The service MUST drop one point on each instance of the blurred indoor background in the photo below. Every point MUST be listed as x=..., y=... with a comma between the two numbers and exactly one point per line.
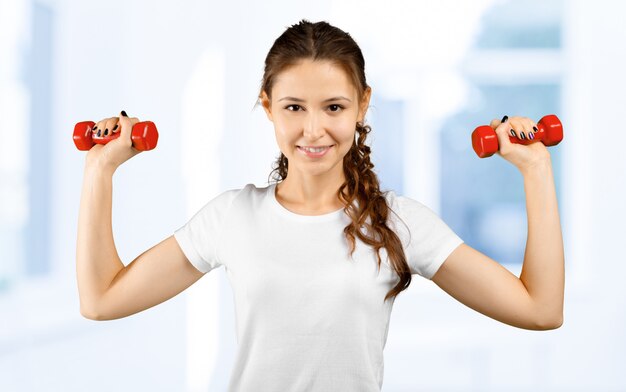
x=437, y=69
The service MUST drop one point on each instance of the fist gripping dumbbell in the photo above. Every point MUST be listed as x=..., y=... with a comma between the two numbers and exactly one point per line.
x=144, y=136
x=485, y=140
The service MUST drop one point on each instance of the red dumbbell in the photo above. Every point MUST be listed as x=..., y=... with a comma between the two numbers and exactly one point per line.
x=485, y=140
x=144, y=136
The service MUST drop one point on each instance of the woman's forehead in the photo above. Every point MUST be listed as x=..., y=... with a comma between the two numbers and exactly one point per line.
x=313, y=80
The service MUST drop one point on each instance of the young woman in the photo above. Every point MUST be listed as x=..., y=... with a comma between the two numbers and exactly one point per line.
x=317, y=258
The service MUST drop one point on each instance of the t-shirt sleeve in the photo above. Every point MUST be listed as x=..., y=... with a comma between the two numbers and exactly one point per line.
x=200, y=236
x=430, y=240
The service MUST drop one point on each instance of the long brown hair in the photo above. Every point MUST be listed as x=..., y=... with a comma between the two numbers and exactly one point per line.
x=322, y=41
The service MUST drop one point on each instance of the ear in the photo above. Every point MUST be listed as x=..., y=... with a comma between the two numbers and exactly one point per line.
x=267, y=105
x=365, y=103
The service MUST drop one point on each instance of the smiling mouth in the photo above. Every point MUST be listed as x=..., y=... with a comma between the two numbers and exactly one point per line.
x=314, y=152
x=314, y=149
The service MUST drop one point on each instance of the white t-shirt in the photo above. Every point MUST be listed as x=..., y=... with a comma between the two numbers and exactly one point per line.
x=308, y=317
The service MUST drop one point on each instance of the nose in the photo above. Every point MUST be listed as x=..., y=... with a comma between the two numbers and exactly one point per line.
x=313, y=128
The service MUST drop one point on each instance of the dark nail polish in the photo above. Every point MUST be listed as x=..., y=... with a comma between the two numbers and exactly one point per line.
x=505, y=118
x=99, y=132
x=115, y=127
x=523, y=136
x=531, y=136
x=535, y=128
x=106, y=132
x=513, y=133
x=124, y=113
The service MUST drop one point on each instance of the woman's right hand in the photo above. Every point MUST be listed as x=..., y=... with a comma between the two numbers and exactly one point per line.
x=117, y=151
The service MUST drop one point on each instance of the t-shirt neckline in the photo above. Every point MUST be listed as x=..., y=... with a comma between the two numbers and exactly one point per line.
x=283, y=211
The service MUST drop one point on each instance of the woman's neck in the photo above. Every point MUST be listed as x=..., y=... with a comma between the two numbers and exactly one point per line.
x=311, y=196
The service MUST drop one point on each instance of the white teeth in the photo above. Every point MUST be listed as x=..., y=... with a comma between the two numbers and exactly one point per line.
x=309, y=149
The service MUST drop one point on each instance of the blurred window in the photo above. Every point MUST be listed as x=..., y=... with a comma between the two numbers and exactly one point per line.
x=25, y=150
x=483, y=200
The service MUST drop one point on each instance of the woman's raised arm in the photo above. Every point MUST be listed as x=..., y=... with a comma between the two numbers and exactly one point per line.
x=106, y=287
x=535, y=299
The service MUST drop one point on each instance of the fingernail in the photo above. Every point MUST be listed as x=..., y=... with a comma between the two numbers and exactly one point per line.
x=124, y=113
x=523, y=136
x=531, y=136
x=513, y=133
x=535, y=128
x=106, y=131
x=115, y=127
x=505, y=118
x=99, y=132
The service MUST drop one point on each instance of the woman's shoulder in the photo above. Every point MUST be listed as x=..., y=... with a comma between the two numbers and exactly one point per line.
x=407, y=209
x=222, y=202
x=249, y=190
x=401, y=202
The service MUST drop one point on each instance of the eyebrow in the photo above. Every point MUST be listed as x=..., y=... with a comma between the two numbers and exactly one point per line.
x=338, y=98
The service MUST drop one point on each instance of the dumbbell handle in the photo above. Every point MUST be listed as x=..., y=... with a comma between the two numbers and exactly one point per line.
x=144, y=136
x=549, y=132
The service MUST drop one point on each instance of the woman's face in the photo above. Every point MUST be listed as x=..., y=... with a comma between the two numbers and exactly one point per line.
x=315, y=104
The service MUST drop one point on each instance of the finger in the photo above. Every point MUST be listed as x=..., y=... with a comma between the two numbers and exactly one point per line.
x=495, y=122
x=110, y=125
x=126, y=124
x=527, y=128
x=503, y=133
x=123, y=119
x=517, y=128
x=98, y=129
x=126, y=128
x=531, y=128
x=94, y=129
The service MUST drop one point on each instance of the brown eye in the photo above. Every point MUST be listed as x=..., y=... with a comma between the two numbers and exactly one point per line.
x=296, y=108
x=337, y=107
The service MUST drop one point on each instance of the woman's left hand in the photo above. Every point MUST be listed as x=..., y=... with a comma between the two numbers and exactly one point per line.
x=522, y=156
